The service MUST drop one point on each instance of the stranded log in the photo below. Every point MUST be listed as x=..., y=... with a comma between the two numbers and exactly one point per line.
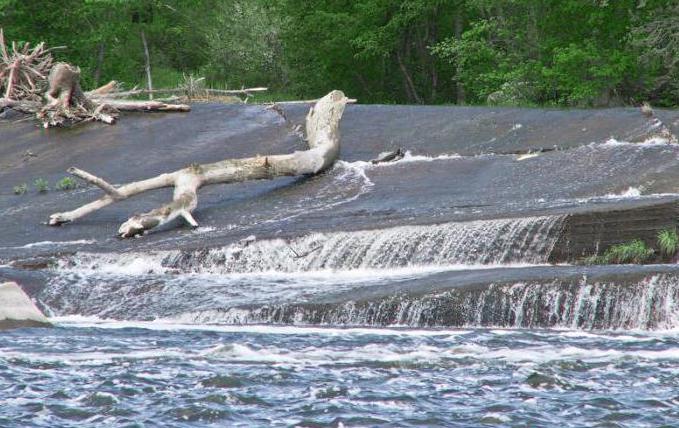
x=322, y=130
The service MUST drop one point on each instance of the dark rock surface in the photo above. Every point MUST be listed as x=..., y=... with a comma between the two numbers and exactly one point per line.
x=576, y=171
x=591, y=233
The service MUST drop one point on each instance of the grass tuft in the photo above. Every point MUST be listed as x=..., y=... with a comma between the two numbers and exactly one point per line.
x=668, y=242
x=630, y=252
x=41, y=185
x=20, y=189
x=66, y=183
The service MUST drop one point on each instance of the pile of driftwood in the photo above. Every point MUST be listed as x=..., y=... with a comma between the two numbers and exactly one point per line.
x=32, y=82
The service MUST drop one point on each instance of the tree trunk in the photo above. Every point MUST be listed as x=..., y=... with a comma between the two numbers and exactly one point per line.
x=147, y=60
x=410, y=86
x=322, y=129
x=432, y=60
x=100, y=64
x=408, y=80
x=459, y=88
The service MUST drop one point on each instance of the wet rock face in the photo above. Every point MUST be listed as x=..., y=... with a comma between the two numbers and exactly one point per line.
x=591, y=233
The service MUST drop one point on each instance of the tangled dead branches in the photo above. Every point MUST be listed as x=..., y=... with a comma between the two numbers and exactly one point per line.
x=23, y=71
x=31, y=82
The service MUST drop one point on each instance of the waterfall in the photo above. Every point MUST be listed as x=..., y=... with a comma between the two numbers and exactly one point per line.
x=285, y=281
x=651, y=303
x=528, y=240
x=524, y=240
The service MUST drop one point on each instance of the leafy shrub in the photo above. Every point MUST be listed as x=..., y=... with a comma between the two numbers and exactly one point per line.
x=630, y=252
x=668, y=241
x=594, y=260
x=66, y=183
x=20, y=189
x=41, y=185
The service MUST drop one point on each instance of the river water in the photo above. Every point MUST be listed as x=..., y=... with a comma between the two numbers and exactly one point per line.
x=88, y=373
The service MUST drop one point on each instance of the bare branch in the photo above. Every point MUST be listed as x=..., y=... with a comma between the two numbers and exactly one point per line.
x=99, y=182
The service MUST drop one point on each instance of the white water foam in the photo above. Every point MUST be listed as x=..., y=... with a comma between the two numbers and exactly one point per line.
x=526, y=240
x=78, y=321
x=408, y=157
x=630, y=193
x=649, y=142
x=94, y=358
x=54, y=244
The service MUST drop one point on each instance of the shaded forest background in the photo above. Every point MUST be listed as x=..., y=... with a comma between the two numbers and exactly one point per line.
x=585, y=53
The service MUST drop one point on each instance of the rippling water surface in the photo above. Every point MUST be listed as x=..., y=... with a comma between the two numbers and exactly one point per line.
x=85, y=373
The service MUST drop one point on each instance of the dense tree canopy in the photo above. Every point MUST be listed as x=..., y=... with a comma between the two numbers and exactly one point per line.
x=514, y=52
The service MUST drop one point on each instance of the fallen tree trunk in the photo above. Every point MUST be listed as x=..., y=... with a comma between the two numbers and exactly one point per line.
x=245, y=91
x=322, y=130
x=157, y=105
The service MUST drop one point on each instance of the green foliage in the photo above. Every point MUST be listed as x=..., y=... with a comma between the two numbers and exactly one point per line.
x=509, y=52
x=634, y=251
x=668, y=242
x=41, y=185
x=66, y=183
x=20, y=189
x=244, y=45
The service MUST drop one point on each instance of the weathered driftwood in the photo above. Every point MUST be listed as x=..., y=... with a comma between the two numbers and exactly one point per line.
x=349, y=101
x=23, y=71
x=322, y=129
x=31, y=82
x=156, y=105
x=244, y=91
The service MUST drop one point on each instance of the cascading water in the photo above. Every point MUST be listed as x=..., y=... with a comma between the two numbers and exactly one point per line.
x=319, y=278
x=650, y=303
x=167, y=284
x=525, y=240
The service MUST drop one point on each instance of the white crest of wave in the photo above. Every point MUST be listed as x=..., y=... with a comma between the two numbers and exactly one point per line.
x=631, y=192
x=422, y=353
x=116, y=263
x=79, y=321
x=56, y=243
x=408, y=157
x=654, y=141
